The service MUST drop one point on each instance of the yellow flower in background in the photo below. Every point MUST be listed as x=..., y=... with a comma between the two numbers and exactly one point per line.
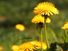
x=46, y=8
x=1, y=48
x=15, y=48
x=37, y=45
x=26, y=47
x=65, y=26
x=38, y=19
x=20, y=27
x=48, y=20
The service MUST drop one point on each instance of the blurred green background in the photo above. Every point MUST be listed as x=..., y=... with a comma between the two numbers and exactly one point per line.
x=14, y=12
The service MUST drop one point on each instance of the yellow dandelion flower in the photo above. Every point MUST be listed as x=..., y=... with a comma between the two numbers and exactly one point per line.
x=37, y=45
x=15, y=48
x=20, y=27
x=46, y=8
x=26, y=47
x=48, y=20
x=1, y=48
x=38, y=19
x=65, y=26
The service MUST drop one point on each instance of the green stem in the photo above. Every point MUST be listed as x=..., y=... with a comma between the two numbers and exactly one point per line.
x=65, y=35
x=54, y=36
x=41, y=40
x=45, y=32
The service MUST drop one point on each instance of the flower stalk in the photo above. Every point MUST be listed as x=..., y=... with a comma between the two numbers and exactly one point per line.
x=40, y=26
x=45, y=32
x=41, y=40
x=65, y=36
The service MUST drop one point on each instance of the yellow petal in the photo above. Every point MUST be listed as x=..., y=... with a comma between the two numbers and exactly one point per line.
x=48, y=20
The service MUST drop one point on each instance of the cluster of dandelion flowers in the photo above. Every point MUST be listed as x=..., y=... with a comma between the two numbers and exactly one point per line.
x=65, y=26
x=26, y=46
x=23, y=47
x=46, y=8
x=29, y=46
x=20, y=27
x=40, y=19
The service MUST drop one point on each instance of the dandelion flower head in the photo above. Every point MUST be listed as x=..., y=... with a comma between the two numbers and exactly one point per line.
x=26, y=47
x=47, y=8
x=38, y=19
x=65, y=26
x=20, y=27
x=15, y=48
